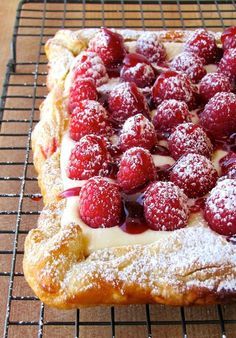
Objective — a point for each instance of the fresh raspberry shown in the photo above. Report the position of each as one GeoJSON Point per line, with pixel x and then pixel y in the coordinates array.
{"type": "Point", "coordinates": [165, 207]}
{"type": "Point", "coordinates": [149, 46]}
{"type": "Point", "coordinates": [126, 100]}
{"type": "Point", "coordinates": [228, 38]}
{"type": "Point", "coordinates": [228, 165]}
{"type": "Point", "coordinates": [218, 116]}
{"type": "Point", "coordinates": [174, 85]}
{"type": "Point", "coordinates": [169, 114]}
{"type": "Point", "coordinates": [88, 158]}
{"type": "Point", "coordinates": [213, 83]}
{"type": "Point", "coordinates": [90, 65]}
{"type": "Point", "coordinates": [189, 138]}
{"type": "Point", "coordinates": [190, 64]}
{"type": "Point", "coordinates": [136, 169]}
{"type": "Point", "coordinates": [194, 174]}
{"type": "Point", "coordinates": [137, 131]}
{"type": "Point", "coordinates": [227, 64]}
{"type": "Point", "coordinates": [137, 69]}
{"type": "Point", "coordinates": [220, 208]}
{"type": "Point", "coordinates": [89, 117]}
{"type": "Point", "coordinates": [203, 44]}
{"type": "Point", "coordinates": [81, 89]}
{"type": "Point", "coordinates": [100, 204]}
{"type": "Point", "coordinates": [109, 46]}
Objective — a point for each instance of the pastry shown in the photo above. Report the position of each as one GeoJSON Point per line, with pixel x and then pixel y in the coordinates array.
{"type": "Point", "coordinates": [135, 159]}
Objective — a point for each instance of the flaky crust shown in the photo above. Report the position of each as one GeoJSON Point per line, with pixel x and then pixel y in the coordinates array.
{"type": "Point", "coordinates": [193, 266]}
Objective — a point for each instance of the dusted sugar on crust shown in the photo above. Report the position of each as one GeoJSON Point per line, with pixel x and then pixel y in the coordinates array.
{"type": "Point", "coordinates": [193, 265]}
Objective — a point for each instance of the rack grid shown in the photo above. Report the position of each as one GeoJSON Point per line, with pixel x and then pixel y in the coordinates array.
{"type": "Point", "coordinates": [23, 90]}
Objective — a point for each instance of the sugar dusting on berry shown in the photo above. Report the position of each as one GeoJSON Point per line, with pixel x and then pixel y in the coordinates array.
{"type": "Point", "coordinates": [89, 64]}
{"type": "Point", "coordinates": [227, 64]}
{"type": "Point", "coordinates": [221, 207]}
{"type": "Point", "coordinates": [213, 83]}
{"type": "Point", "coordinates": [189, 138]}
{"type": "Point", "coordinates": [190, 64]}
{"type": "Point", "coordinates": [195, 174]}
{"type": "Point", "coordinates": [218, 116]}
{"type": "Point", "coordinates": [89, 117]}
{"type": "Point", "coordinates": [174, 85]}
{"type": "Point", "coordinates": [137, 131]}
{"type": "Point", "coordinates": [203, 44]}
{"type": "Point", "coordinates": [142, 74]}
{"type": "Point", "coordinates": [126, 100]}
{"type": "Point", "coordinates": [100, 203]}
{"type": "Point", "coordinates": [169, 114]}
{"type": "Point", "coordinates": [149, 45]}
{"type": "Point", "coordinates": [165, 206]}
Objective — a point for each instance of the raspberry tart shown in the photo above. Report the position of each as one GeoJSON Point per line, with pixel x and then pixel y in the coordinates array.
{"type": "Point", "coordinates": [135, 154]}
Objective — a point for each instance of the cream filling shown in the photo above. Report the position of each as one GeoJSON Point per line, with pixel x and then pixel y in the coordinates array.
{"type": "Point", "coordinates": [114, 237]}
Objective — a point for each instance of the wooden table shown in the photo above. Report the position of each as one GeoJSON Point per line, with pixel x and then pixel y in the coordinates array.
{"type": "Point", "coordinates": [7, 18]}
{"type": "Point", "coordinates": [24, 310]}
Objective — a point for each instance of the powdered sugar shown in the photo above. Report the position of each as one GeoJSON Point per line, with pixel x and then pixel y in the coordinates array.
{"type": "Point", "coordinates": [89, 64]}
{"type": "Point", "coordinates": [174, 85]}
{"type": "Point", "coordinates": [218, 116]}
{"type": "Point", "coordinates": [88, 157]}
{"type": "Point", "coordinates": [220, 209]}
{"type": "Point", "coordinates": [89, 117]}
{"type": "Point", "coordinates": [203, 44]}
{"type": "Point", "coordinates": [182, 262]}
{"type": "Point", "coordinates": [195, 174]}
{"type": "Point", "coordinates": [169, 114]}
{"type": "Point", "coordinates": [213, 83]}
{"type": "Point", "coordinates": [126, 100]}
{"type": "Point", "coordinates": [189, 138]}
{"type": "Point", "coordinates": [227, 64]}
{"type": "Point", "coordinates": [165, 206]}
{"type": "Point", "coordinates": [225, 190]}
{"type": "Point", "coordinates": [190, 64]}
{"type": "Point", "coordinates": [142, 74]}
{"type": "Point", "coordinates": [182, 266]}
{"type": "Point", "coordinates": [137, 131]}
{"type": "Point", "coordinates": [149, 45]}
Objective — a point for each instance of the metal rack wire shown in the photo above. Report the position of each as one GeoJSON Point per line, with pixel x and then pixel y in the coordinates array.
{"type": "Point", "coordinates": [23, 90]}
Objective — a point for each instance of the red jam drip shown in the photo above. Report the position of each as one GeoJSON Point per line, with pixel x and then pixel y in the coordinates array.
{"type": "Point", "coordinates": [36, 198]}
{"type": "Point", "coordinates": [134, 222]}
{"type": "Point", "coordinates": [111, 170]}
{"type": "Point", "coordinates": [227, 162]}
{"type": "Point", "coordinates": [114, 71]}
{"type": "Point", "coordinates": [70, 192]}
{"type": "Point", "coordinates": [227, 144]}
{"type": "Point", "coordinates": [198, 205]}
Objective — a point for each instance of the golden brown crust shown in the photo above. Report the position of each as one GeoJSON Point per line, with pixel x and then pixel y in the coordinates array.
{"type": "Point", "coordinates": [194, 266]}
{"type": "Point", "coordinates": [60, 274]}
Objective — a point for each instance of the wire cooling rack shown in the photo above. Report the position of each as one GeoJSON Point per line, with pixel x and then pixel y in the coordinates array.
{"type": "Point", "coordinates": [24, 88]}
